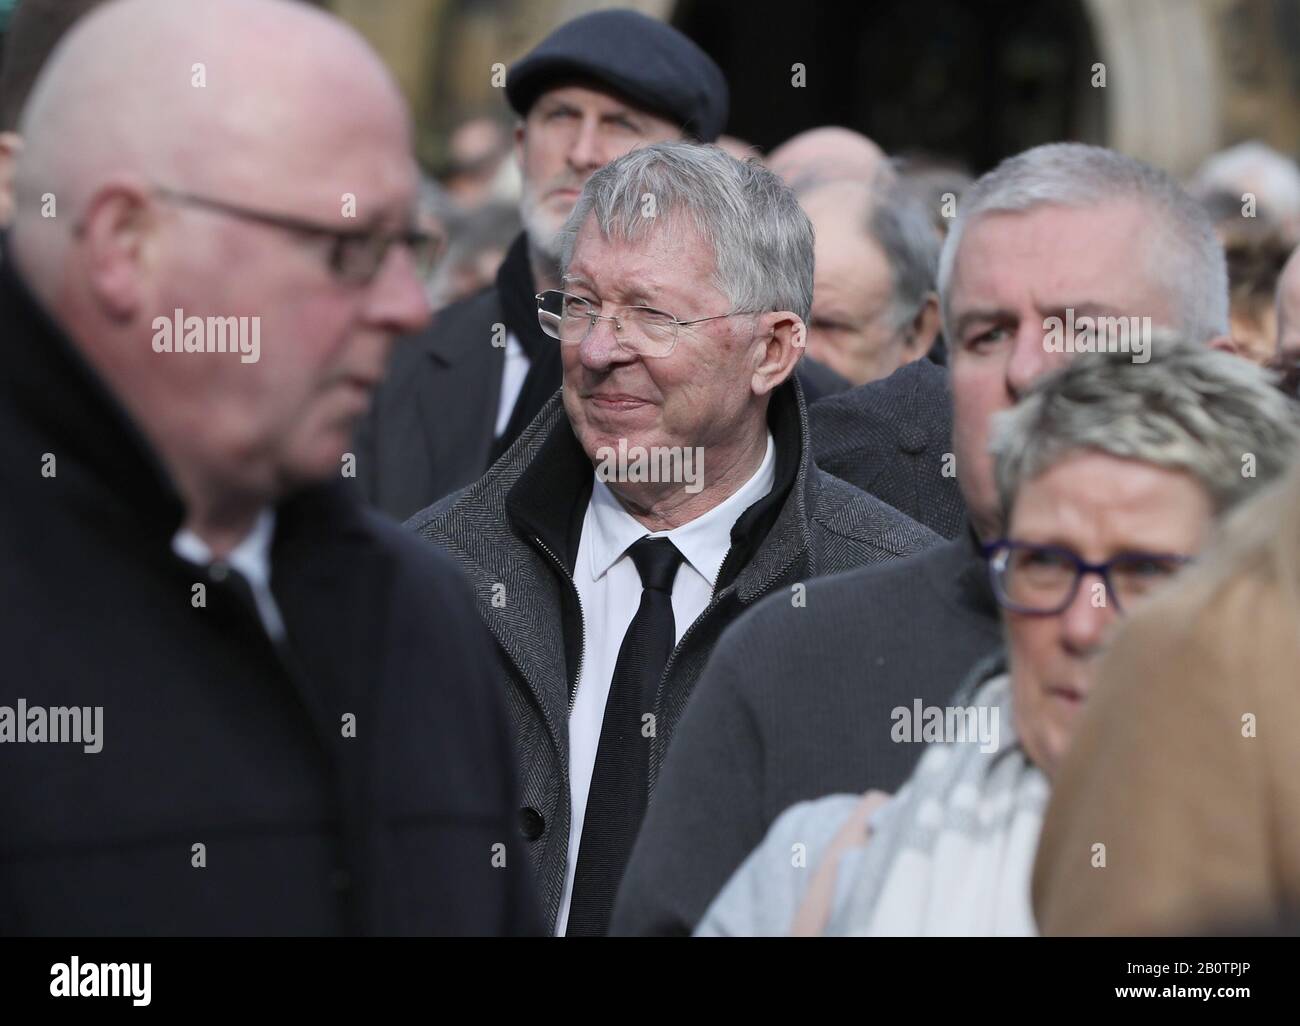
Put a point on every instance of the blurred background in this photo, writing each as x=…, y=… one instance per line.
x=947, y=84
x=973, y=81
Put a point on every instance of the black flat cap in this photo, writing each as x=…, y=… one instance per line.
x=650, y=63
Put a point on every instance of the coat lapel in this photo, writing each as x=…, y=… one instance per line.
x=461, y=390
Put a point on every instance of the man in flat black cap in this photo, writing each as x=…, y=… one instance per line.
x=462, y=391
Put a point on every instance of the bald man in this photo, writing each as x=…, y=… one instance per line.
x=32, y=32
x=826, y=153
x=238, y=703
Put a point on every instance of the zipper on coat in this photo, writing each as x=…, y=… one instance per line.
x=582, y=620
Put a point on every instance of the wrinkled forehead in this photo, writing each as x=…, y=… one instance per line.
x=665, y=255
x=1105, y=254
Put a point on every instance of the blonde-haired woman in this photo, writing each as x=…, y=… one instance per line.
x=1178, y=808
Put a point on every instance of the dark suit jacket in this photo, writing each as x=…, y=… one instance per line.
x=211, y=733
x=795, y=704
x=430, y=429
x=889, y=438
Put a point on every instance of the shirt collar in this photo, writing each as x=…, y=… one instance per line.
x=251, y=557
x=703, y=542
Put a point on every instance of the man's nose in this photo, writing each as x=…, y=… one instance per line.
x=587, y=153
x=1086, y=619
x=397, y=295
x=1029, y=359
x=600, y=349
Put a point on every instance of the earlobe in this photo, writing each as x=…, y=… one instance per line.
x=923, y=331
x=1225, y=344
x=11, y=145
x=780, y=352
x=115, y=236
x=519, y=143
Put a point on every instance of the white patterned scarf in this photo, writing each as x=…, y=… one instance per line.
x=953, y=852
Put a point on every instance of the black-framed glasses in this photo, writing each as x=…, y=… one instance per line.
x=355, y=254
x=1042, y=580
x=638, y=329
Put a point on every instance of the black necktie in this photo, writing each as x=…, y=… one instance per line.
x=616, y=802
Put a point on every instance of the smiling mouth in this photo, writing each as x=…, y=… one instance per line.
x=1067, y=694
x=616, y=402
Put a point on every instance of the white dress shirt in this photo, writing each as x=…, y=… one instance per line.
x=512, y=381
x=609, y=588
x=251, y=557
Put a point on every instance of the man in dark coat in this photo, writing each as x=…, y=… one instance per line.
x=893, y=439
x=235, y=702
x=607, y=582
x=799, y=703
x=460, y=392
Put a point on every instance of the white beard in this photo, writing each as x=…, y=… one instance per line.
x=543, y=232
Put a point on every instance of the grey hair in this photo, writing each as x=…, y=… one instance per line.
x=1190, y=263
x=901, y=226
x=762, y=240
x=1188, y=408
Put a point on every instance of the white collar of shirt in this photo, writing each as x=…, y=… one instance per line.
x=704, y=542
x=251, y=557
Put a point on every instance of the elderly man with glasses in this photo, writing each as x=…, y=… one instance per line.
x=664, y=491
x=1111, y=475
x=284, y=706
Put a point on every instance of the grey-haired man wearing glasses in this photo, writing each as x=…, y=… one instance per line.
x=282, y=711
x=666, y=489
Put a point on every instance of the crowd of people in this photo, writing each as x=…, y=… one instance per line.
x=623, y=531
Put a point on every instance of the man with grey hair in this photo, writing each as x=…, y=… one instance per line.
x=665, y=489
x=875, y=310
x=795, y=704
x=461, y=392
x=1112, y=474
x=874, y=302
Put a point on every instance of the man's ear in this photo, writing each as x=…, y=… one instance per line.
x=1225, y=344
x=116, y=237
x=782, y=337
x=519, y=143
x=923, y=330
x=11, y=144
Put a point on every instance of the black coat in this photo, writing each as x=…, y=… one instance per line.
x=212, y=734
x=890, y=438
x=797, y=704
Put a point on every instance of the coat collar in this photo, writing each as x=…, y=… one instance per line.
x=543, y=483
x=547, y=480
x=57, y=393
x=76, y=417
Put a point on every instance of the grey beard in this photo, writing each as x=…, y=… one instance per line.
x=543, y=239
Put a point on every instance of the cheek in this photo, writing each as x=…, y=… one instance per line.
x=1030, y=642
x=540, y=162
x=977, y=394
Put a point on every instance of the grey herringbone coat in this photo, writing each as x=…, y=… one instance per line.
x=515, y=532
